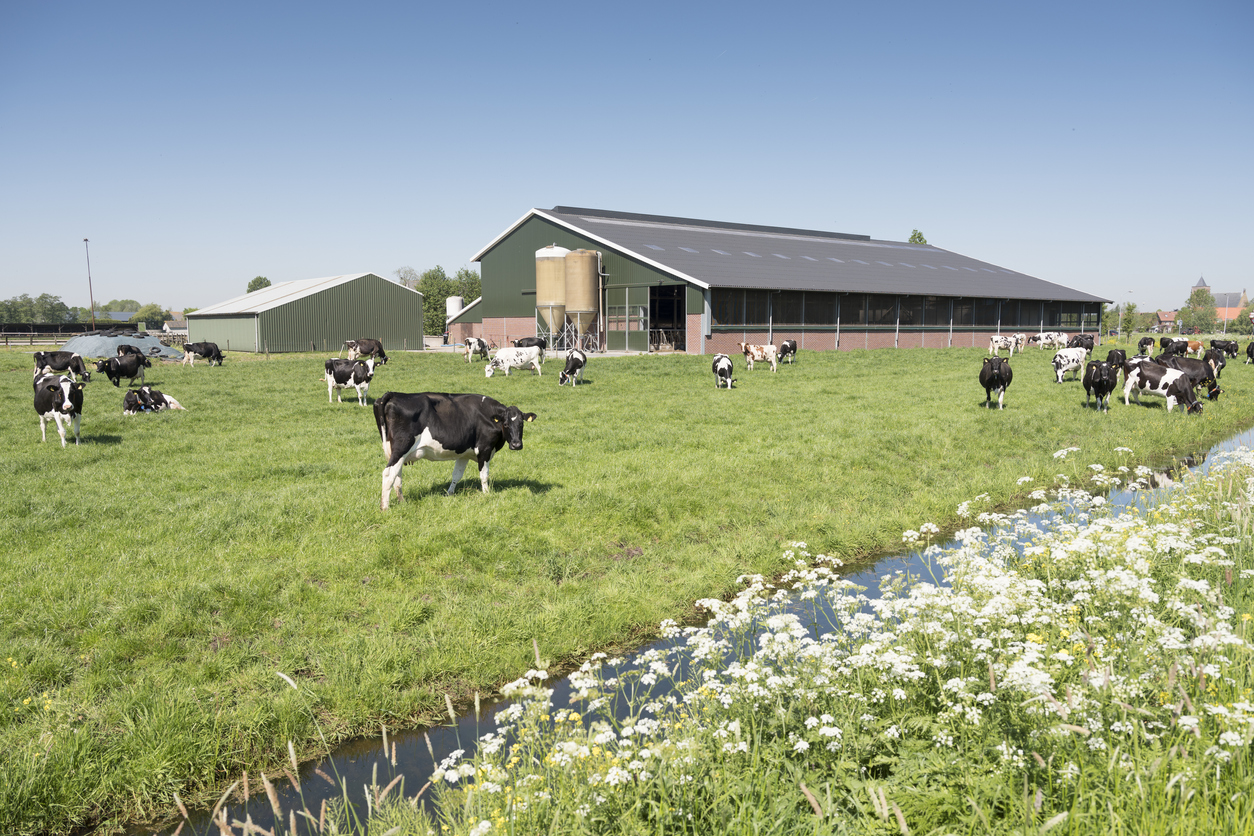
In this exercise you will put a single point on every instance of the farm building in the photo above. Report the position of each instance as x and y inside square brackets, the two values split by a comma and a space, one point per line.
[648, 282]
[313, 315]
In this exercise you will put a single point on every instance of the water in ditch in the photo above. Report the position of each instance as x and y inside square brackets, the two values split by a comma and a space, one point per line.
[357, 765]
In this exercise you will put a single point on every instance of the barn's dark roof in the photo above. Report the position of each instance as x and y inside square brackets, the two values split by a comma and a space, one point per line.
[719, 254]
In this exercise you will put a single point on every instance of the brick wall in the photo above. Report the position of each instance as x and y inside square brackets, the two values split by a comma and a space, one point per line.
[503, 330]
[696, 340]
[725, 342]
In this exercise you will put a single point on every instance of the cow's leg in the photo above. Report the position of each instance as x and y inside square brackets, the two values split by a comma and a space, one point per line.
[458, 469]
[76, 421]
[1001, 398]
[483, 475]
[536, 366]
[61, 420]
[391, 482]
[43, 429]
[330, 391]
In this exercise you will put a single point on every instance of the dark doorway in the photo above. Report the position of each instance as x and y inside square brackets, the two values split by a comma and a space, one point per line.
[668, 321]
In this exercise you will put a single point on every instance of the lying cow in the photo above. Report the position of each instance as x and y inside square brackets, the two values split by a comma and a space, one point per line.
[1170, 383]
[575, 361]
[47, 362]
[533, 342]
[341, 374]
[58, 398]
[759, 352]
[147, 399]
[1069, 359]
[1001, 342]
[515, 358]
[995, 375]
[722, 368]
[443, 427]
[128, 365]
[366, 348]
[209, 351]
[1144, 346]
[788, 351]
[1100, 379]
[474, 346]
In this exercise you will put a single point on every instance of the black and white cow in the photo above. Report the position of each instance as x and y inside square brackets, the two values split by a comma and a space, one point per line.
[443, 427]
[1165, 342]
[209, 351]
[1069, 359]
[366, 348]
[788, 351]
[1216, 359]
[1172, 384]
[58, 398]
[1021, 340]
[515, 358]
[1178, 347]
[127, 348]
[575, 361]
[1001, 342]
[1199, 372]
[1144, 346]
[69, 362]
[474, 346]
[128, 365]
[1100, 379]
[533, 342]
[1249, 354]
[1049, 339]
[1084, 341]
[342, 374]
[995, 375]
[147, 399]
[1117, 357]
[722, 368]
[1229, 347]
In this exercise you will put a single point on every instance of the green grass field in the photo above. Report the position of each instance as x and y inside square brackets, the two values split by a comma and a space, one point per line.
[160, 574]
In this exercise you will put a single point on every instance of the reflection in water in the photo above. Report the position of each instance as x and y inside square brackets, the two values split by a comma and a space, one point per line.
[359, 764]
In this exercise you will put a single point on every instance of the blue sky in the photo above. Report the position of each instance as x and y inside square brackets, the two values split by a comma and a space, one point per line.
[1103, 146]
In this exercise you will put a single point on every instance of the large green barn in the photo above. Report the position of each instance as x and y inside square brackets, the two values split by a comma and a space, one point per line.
[700, 286]
[313, 315]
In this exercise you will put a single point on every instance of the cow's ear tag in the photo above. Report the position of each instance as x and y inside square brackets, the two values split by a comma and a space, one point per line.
[496, 420]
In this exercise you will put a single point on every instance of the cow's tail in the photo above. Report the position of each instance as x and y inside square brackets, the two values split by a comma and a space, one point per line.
[380, 420]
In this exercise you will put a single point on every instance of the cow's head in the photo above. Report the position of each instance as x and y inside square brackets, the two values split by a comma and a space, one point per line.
[1213, 391]
[60, 388]
[102, 366]
[492, 366]
[1194, 408]
[511, 421]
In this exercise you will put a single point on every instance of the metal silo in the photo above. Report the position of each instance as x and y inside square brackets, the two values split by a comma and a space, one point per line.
[582, 272]
[551, 286]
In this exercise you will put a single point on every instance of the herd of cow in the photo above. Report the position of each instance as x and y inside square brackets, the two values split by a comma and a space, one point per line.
[1172, 374]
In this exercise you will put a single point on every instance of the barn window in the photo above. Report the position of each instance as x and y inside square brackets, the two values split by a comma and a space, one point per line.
[881, 309]
[853, 309]
[985, 315]
[727, 306]
[936, 311]
[786, 308]
[962, 312]
[912, 311]
[756, 311]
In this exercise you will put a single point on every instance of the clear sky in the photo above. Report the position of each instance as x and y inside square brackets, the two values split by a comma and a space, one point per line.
[1103, 146]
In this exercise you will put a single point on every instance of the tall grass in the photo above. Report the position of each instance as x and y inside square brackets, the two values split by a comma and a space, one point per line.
[158, 575]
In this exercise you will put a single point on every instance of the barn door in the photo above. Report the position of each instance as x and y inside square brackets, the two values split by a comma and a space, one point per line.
[616, 319]
[637, 319]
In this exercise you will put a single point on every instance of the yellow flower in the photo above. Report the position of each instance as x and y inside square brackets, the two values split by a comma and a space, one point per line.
[26, 701]
[1245, 616]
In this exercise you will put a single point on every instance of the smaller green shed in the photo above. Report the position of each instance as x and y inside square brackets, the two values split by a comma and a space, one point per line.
[313, 315]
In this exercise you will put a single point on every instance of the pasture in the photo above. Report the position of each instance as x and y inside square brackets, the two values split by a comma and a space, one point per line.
[158, 576]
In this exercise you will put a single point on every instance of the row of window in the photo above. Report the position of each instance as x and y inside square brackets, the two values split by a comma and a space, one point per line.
[794, 308]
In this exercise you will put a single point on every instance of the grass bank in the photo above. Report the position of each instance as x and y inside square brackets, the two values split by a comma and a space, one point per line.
[159, 575]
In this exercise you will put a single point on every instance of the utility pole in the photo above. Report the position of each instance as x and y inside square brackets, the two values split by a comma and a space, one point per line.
[91, 296]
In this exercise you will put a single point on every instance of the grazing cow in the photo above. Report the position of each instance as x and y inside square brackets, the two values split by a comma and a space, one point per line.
[1199, 373]
[1144, 346]
[366, 348]
[1020, 341]
[515, 358]
[1165, 342]
[69, 362]
[788, 351]
[1228, 347]
[1173, 384]
[1178, 348]
[1195, 347]
[533, 342]
[995, 375]
[207, 350]
[128, 365]
[722, 368]
[1069, 359]
[1100, 379]
[1216, 359]
[1117, 357]
[474, 346]
[444, 427]
[1249, 354]
[1001, 342]
[58, 398]
[759, 352]
[1049, 339]
[575, 361]
[147, 399]
[1084, 341]
[340, 374]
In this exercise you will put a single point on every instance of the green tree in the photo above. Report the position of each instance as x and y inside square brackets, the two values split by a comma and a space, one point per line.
[119, 306]
[407, 277]
[51, 309]
[1241, 325]
[435, 287]
[152, 315]
[186, 311]
[916, 237]
[258, 283]
[469, 285]
[1128, 318]
[1199, 312]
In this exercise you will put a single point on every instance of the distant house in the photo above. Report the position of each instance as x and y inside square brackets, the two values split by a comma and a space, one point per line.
[1166, 320]
[1228, 306]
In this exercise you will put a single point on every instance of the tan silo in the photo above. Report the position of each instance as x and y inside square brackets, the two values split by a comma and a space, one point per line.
[582, 273]
[551, 285]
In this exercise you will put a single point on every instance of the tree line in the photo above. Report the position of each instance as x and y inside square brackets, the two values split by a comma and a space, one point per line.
[436, 287]
[46, 308]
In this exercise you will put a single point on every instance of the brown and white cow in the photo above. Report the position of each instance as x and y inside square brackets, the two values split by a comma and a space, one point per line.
[765, 353]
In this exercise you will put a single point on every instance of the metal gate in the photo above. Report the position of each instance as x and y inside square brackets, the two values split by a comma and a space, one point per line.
[627, 318]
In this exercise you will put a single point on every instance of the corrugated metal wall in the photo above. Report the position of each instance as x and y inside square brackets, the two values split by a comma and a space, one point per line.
[231, 333]
[509, 269]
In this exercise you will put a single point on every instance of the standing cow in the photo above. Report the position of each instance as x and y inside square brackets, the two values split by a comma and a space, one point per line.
[1144, 346]
[340, 374]
[69, 362]
[1100, 379]
[1170, 383]
[995, 375]
[1001, 342]
[514, 358]
[209, 351]
[575, 361]
[1069, 359]
[474, 346]
[443, 427]
[533, 342]
[58, 399]
[759, 352]
[722, 368]
[788, 351]
[366, 348]
[128, 365]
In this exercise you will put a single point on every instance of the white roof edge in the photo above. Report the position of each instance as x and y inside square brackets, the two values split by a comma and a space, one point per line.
[465, 308]
[604, 241]
[266, 298]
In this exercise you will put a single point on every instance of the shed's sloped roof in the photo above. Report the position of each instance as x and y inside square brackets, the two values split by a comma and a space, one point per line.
[281, 294]
[716, 254]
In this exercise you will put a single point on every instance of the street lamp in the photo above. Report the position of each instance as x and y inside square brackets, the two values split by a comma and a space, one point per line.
[91, 296]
